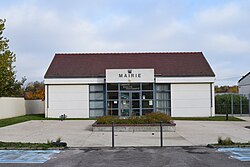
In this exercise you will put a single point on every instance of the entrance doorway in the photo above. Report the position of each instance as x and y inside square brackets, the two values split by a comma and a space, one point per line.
[130, 103]
[131, 99]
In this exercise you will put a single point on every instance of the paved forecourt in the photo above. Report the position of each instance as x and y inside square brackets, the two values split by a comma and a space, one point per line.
[78, 133]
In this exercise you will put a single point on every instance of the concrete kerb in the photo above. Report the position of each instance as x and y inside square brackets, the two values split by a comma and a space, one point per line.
[171, 127]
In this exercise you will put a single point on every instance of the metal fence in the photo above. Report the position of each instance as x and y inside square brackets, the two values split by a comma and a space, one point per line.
[232, 104]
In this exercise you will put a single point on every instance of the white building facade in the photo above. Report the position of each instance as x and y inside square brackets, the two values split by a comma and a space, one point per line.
[244, 85]
[93, 85]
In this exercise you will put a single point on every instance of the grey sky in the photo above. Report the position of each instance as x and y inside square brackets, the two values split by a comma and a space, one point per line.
[39, 29]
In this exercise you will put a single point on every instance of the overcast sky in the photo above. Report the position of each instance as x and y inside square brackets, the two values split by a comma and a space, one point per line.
[39, 29]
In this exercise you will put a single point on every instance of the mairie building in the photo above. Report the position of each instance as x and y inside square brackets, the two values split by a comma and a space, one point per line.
[85, 85]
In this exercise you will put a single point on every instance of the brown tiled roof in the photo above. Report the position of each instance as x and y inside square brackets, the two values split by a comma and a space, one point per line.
[167, 64]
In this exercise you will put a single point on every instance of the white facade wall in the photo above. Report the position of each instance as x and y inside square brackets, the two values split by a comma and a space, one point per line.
[192, 100]
[244, 90]
[244, 86]
[190, 96]
[71, 100]
[17, 106]
[11, 107]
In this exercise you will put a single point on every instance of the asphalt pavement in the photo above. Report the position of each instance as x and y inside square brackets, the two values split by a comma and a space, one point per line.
[139, 157]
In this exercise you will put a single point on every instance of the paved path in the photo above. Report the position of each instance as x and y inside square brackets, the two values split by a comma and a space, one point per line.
[77, 133]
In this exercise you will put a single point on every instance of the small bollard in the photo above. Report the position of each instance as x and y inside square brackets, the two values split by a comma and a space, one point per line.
[113, 135]
[161, 136]
[63, 117]
[226, 114]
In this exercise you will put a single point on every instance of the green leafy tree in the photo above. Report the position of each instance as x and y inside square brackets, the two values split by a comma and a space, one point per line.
[9, 85]
[223, 104]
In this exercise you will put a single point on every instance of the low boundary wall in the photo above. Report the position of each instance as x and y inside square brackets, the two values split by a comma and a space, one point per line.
[17, 106]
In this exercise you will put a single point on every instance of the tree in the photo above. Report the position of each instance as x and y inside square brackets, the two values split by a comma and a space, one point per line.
[9, 85]
[226, 89]
[223, 103]
[34, 90]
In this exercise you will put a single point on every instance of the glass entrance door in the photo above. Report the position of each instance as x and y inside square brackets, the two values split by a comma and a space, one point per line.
[130, 104]
[125, 104]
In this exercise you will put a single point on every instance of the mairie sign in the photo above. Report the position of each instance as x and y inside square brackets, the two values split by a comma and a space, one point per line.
[129, 75]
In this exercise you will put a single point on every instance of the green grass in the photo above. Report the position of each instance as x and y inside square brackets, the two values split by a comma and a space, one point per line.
[26, 145]
[15, 120]
[216, 118]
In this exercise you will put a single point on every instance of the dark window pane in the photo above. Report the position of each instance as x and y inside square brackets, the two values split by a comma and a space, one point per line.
[112, 86]
[125, 96]
[112, 95]
[113, 112]
[135, 95]
[147, 95]
[147, 86]
[147, 104]
[135, 112]
[113, 104]
[136, 104]
[132, 86]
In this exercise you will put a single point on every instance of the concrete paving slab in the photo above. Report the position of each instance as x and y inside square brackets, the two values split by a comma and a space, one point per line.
[77, 133]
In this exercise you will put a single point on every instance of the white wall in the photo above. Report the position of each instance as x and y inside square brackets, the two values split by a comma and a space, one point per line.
[244, 90]
[17, 106]
[11, 107]
[244, 86]
[191, 100]
[34, 106]
[72, 100]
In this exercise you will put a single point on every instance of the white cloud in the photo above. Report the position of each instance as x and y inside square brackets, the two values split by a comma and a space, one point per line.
[37, 32]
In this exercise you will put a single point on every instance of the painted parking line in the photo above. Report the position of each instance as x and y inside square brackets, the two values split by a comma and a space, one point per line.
[242, 154]
[26, 156]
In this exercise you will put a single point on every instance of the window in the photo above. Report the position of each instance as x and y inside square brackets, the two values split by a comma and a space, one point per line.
[112, 99]
[163, 99]
[96, 100]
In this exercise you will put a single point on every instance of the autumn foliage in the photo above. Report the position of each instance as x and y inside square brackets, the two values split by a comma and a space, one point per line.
[34, 91]
[226, 89]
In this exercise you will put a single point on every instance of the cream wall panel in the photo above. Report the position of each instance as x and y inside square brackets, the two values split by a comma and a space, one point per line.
[72, 100]
[191, 100]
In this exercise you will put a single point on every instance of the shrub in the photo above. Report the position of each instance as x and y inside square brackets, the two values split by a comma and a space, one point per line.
[106, 120]
[151, 118]
[157, 117]
[219, 140]
[226, 141]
